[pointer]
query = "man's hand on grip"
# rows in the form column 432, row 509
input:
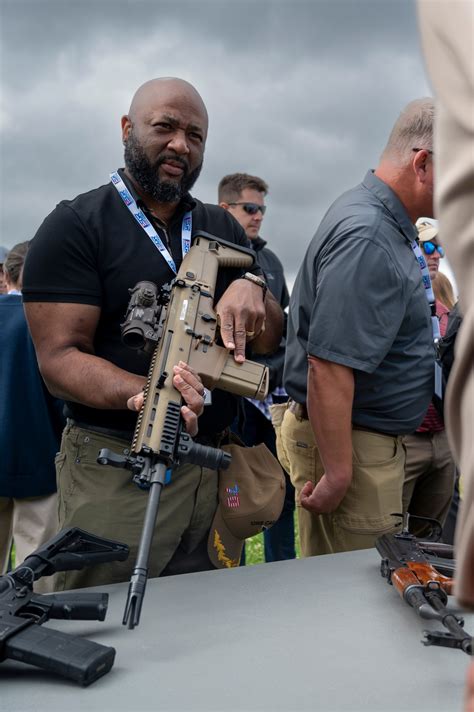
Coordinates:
column 188, row 383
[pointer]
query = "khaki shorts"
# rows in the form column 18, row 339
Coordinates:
column 104, row 501
column 374, row 494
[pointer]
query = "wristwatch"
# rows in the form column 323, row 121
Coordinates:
column 256, row 280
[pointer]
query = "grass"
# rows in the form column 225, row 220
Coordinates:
column 254, row 552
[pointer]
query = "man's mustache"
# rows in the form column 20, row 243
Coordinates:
column 175, row 159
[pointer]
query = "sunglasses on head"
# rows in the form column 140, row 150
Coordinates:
column 429, row 247
column 252, row 208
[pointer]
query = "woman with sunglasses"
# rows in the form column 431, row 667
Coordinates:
column 429, row 467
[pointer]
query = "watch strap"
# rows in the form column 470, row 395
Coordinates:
column 257, row 280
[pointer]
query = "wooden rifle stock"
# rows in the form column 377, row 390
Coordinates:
column 406, row 564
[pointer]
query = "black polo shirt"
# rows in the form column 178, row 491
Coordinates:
column 91, row 250
column 359, row 301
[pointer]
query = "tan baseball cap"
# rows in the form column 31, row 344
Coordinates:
column 426, row 231
column 251, row 496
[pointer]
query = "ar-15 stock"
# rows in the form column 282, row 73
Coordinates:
column 178, row 323
column 422, row 571
column 22, row 611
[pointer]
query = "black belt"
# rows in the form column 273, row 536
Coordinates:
column 210, row 440
column 109, row 432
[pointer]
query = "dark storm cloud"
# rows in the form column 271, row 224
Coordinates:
column 302, row 93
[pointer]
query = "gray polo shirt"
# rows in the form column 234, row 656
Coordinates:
column 359, row 301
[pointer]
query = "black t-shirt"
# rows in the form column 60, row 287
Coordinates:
column 91, row 250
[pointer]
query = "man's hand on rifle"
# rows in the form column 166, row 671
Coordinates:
column 243, row 316
column 188, row 383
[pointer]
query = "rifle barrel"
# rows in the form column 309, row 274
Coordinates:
column 136, row 589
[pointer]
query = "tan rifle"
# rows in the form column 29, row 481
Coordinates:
column 178, row 323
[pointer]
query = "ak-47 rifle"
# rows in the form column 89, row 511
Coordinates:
column 421, row 571
column 178, row 323
column 22, row 611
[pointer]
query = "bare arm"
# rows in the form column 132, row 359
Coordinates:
column 245, row 316
column 330, row 398
column 63, row 335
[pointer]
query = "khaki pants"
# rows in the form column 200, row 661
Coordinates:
column 104, row 501
column 429, row 478
column 374, row 493
column 29, row 522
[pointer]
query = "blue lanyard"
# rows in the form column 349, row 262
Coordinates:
column 141, row 218
column 425, row 278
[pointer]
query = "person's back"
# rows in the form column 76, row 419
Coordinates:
column 30, row 429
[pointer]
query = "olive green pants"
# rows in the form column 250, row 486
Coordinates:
column 374, row 494
column 104, row 501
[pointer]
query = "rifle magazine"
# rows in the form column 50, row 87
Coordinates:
column 71, row 656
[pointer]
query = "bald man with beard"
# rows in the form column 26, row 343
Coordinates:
column 83, row 260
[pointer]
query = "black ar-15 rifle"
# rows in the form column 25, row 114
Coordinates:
column 178, row 323
column 22, row 611
column 421, row 571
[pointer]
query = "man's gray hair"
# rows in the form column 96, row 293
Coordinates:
column 413, row 129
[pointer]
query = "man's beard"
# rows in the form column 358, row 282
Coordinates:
column 146, row 173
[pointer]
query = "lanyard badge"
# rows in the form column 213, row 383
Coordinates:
column 426, row 280
column 142, row 220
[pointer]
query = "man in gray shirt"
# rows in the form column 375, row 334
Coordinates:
column 360, row 359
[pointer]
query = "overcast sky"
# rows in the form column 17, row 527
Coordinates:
column 301, row 93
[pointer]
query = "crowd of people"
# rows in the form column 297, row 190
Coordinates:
column 354, row 410
column 359, row 356
column 355, row 406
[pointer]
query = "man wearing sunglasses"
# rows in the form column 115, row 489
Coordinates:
column 428, row 241
column 243, row 196
column 359, row 363
column 429, row 468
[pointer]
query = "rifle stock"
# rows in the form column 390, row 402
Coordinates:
column 22, row 611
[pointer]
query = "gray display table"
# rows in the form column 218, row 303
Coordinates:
column 325, row 633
